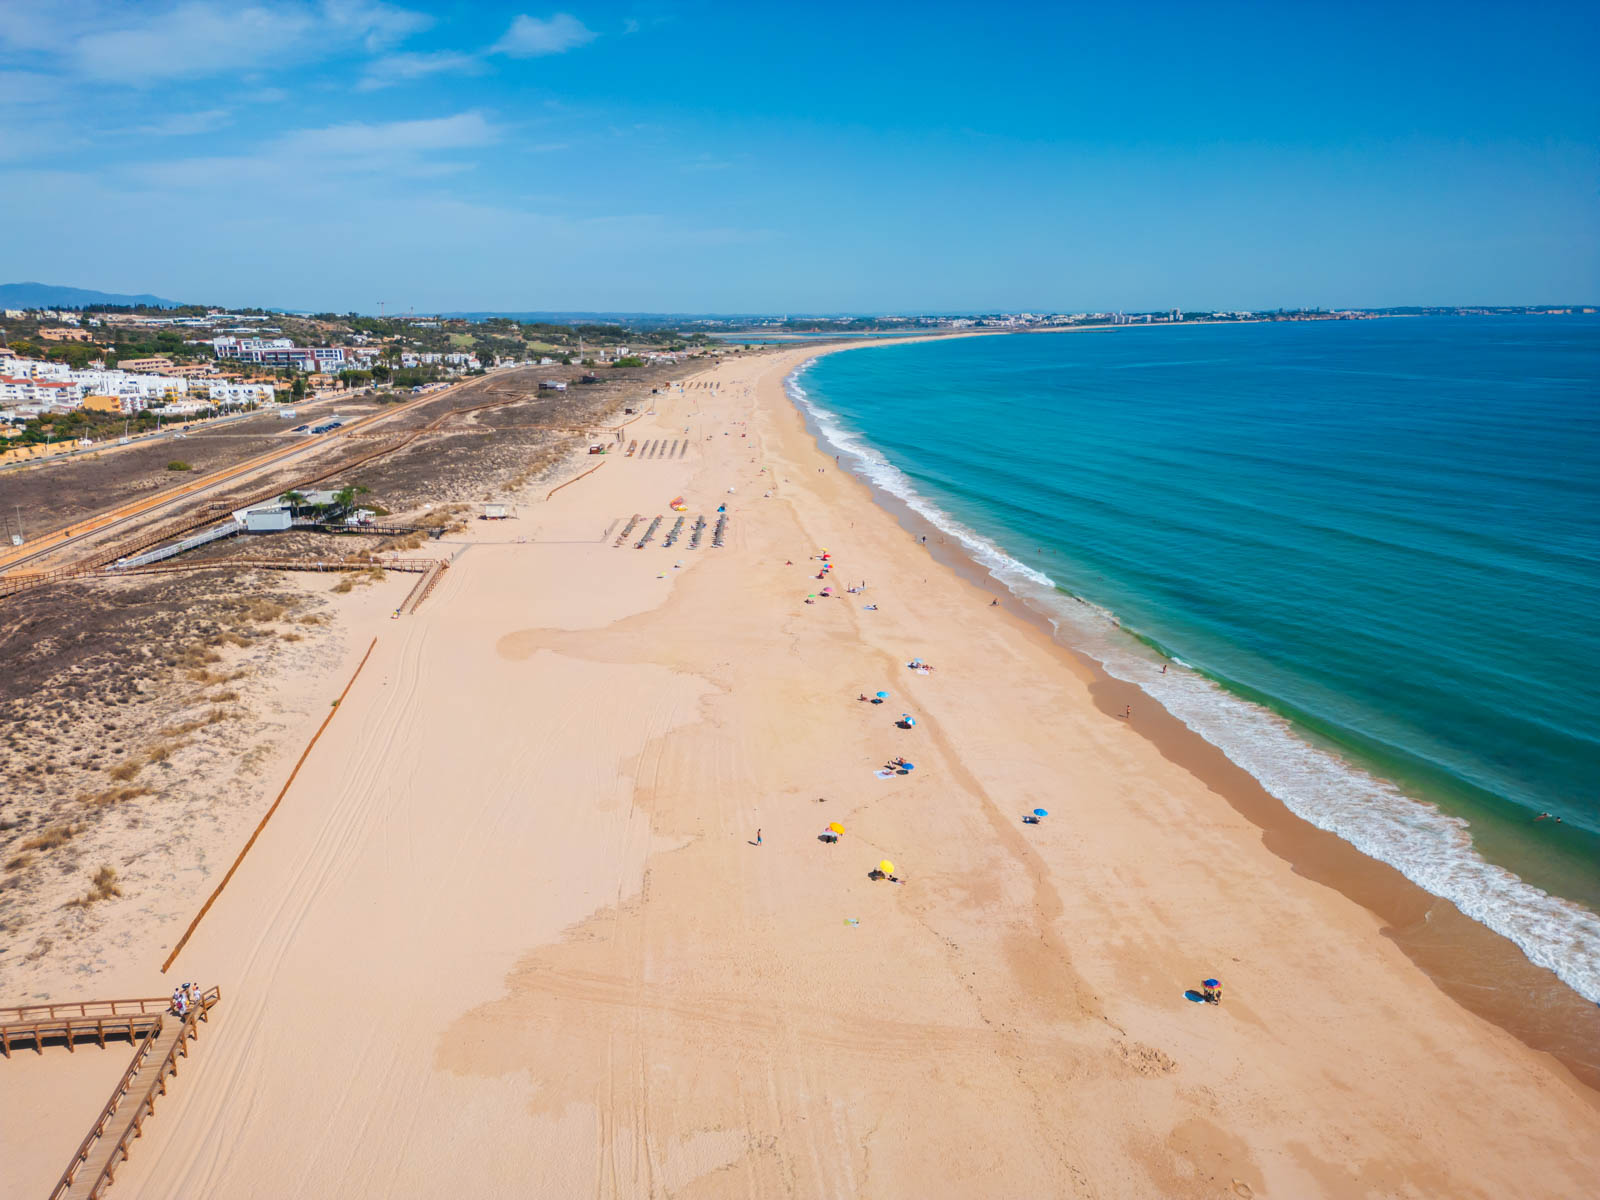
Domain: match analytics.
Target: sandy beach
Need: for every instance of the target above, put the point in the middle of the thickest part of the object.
(510, 933)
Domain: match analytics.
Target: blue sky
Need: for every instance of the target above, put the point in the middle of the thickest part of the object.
(700, 157)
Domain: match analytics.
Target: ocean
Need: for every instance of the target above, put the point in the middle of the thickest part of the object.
(1368, 553)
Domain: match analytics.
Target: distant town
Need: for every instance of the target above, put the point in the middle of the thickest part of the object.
(73, 376)
(76, 377)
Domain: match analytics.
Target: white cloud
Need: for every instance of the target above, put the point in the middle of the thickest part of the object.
(403, 68)
(530, 37)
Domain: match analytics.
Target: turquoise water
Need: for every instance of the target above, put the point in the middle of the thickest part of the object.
(1368, 552)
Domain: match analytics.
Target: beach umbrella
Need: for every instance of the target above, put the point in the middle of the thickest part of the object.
(1209, 983)
(908, 766)
(886, 867)
(883, 695)
(1039, 812)
(835, 827)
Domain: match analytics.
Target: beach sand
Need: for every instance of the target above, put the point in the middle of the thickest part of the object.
(509, 935)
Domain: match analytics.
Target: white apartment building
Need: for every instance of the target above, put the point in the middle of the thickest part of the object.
(16, 390)
(223, 392)
(280, 352)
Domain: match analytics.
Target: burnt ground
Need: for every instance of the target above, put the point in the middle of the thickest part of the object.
(55, 492)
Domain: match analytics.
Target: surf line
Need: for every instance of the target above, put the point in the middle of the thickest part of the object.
(306, 753)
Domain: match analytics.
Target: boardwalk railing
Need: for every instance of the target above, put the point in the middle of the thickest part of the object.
(80, 1019)
(134, 1126)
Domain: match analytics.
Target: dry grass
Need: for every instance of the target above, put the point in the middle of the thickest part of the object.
(198, 656)
(224, 697)
(263, 611)
(290, 637)
(53, 838)
(159, 753)
(215, 717)
(210, 677)
(115, 795)
(20, 861)
(126, 769)
(105, 887)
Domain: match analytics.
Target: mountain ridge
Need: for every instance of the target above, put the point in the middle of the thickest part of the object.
(53, 295)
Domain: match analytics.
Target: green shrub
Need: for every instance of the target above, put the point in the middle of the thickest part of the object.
(178, 465)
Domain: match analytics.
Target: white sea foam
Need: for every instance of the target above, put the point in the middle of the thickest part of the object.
(1429, 847)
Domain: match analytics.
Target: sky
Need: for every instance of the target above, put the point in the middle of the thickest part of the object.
(802, 158)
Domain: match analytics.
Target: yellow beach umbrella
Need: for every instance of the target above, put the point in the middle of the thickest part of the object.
(886, 867)
(835, 827)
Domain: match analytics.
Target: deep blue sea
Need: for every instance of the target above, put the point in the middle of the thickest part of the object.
(1368, 552)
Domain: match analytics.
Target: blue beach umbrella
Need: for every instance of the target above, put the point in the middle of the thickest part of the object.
(1039, 812)
(883, 695)
(908, 766)
(1208, 983)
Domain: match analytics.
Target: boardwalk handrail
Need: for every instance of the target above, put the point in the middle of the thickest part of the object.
(147, 1103)
(81, 1155)
(71, 1028)
(21, 1013)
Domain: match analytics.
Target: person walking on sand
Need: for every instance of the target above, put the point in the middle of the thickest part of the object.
(758, 837)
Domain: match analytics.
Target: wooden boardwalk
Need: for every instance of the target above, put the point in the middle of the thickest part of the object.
(160, 1038)
(94, 1168)
(80, 1021)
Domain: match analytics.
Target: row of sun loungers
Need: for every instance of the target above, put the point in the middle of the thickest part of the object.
(627, 529)
(648, 534)
(660, 448)
(697, 531)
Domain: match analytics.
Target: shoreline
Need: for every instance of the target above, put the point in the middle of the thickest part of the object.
(1456, 952)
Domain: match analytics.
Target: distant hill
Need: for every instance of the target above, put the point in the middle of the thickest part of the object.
(50, 295)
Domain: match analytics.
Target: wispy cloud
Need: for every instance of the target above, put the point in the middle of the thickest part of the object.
(186, 124)
(390, 140)
(406, 68)
(531, 37)
(192, 39)
(379, 26)
(419, 149)
(150, 44)
(28, 87)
